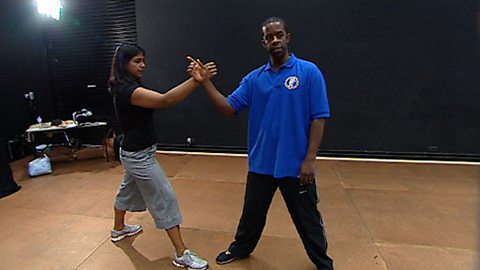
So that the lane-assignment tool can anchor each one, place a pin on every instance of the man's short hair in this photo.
(275, 20)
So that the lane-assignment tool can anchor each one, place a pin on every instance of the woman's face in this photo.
(136, 66)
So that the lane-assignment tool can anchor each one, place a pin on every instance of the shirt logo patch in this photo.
(292, 82)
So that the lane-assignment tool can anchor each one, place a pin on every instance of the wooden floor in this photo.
(378, 216)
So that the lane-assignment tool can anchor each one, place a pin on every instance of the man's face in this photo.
(275, 39)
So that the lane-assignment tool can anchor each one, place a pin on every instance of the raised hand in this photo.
(199, 71)
(212, 69)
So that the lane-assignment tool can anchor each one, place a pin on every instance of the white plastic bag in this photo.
(39, 166)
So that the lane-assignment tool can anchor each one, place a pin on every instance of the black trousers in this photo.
(301, 202)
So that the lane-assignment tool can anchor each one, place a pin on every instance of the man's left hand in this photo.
(307, 172)
(199, 71)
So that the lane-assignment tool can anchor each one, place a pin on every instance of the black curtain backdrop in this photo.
(81, 46)
(23, 69)
(64, 63)
(402, 77)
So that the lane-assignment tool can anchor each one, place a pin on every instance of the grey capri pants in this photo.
(146, 186)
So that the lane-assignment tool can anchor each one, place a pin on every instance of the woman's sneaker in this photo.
(190, 260)
(128, 230)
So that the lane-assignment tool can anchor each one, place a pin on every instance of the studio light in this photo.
(50, 8)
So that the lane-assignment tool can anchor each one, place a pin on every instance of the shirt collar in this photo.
(288, 64)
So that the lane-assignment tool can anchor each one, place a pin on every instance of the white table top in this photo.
(71, 126)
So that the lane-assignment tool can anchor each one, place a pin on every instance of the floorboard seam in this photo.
(91, 253)
(347, 191)
(58, 212)
(181, 168)
(426, 246)
(233, 233)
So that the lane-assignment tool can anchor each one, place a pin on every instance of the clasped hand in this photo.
(201, 72)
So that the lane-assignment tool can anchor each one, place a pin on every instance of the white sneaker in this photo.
(190, 260)
(128, 230)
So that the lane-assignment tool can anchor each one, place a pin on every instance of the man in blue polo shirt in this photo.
(288, 105)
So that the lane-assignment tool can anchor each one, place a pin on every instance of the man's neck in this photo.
(278, 62)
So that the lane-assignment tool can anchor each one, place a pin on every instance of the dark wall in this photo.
(65, 63)
(403, 77)
(81, 46)
(23, 68)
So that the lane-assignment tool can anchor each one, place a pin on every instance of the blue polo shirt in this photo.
(282, 105)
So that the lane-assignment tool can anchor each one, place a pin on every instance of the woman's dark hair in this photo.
(122, 56)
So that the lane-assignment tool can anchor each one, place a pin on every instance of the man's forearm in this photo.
(218, 99)
(317, 128)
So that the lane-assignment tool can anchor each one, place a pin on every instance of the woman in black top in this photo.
(145, 185)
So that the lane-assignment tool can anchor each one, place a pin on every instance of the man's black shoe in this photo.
(226, 257)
